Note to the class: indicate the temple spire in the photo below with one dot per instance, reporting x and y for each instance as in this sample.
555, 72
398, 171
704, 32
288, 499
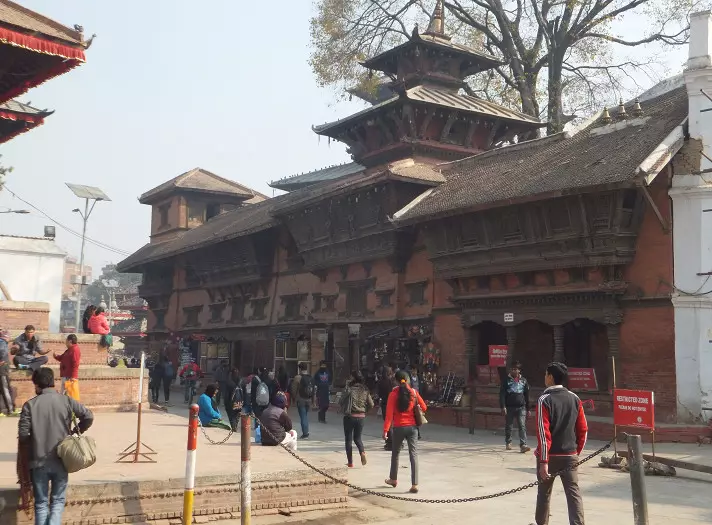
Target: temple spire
437, 21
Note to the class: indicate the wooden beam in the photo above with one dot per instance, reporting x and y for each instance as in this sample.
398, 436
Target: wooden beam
659, 215
676, 463
429, 114
493, 134
448, 125
470, 133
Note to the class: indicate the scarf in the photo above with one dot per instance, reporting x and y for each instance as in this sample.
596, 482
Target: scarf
23, 476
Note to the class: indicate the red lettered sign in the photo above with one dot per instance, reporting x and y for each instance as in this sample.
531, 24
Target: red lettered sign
634, 408
498, 355
582, 379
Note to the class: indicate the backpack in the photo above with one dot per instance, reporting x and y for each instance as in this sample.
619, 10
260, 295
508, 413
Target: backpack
237, 400
262, 395
306, 387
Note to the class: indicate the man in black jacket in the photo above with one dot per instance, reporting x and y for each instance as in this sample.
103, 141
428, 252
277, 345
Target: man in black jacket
514, 402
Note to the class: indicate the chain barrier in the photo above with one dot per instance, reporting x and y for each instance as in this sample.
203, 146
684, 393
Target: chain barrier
205, 434
386, 495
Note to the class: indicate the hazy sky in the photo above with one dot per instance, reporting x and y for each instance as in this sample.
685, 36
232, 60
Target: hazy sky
170, 85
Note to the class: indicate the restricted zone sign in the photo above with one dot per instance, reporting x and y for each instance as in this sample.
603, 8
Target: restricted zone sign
634, 408
582, 379
498, 355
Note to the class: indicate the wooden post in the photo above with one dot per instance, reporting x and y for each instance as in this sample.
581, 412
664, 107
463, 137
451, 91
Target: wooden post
245, 474
613, 396
637, 480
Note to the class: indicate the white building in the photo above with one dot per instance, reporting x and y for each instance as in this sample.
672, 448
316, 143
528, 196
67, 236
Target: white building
691, 193
32, 269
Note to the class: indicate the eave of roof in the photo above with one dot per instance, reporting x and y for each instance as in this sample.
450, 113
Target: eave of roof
18, 16
202, 178
305, 179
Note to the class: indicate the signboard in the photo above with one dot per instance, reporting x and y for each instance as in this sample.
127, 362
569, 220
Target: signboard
509, 318
285, 334
634, 408
582, 379
223, 350
498, 355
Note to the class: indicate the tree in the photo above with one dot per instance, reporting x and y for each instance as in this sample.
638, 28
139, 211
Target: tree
557, 53
4, 170
97, 290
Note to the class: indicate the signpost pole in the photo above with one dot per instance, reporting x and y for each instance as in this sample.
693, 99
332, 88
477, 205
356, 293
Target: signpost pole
613, 395
637, 480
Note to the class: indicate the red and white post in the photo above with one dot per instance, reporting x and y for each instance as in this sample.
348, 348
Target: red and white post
190, 466
245, 474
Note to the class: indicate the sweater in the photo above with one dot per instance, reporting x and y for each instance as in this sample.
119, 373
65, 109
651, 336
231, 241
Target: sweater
561, 424
361, 401
402, 419
206, 412
276, 423
69, 362
98, 324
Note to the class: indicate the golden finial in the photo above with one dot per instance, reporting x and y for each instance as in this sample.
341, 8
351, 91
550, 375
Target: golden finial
622, 115
637, 110
605, 117
437, 22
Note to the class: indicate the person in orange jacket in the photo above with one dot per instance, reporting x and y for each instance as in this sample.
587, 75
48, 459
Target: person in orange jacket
190, 374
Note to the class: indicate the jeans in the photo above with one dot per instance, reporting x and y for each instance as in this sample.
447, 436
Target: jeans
389, 439
571, 489
410, 435
353, 428
520, 416
49, 502
6, 393
303, 409
31, 362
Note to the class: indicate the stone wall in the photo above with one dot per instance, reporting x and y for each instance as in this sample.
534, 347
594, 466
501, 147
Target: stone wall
15, 315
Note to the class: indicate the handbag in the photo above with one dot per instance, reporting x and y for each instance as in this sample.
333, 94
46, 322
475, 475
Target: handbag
420, 419
346, 401
77, 452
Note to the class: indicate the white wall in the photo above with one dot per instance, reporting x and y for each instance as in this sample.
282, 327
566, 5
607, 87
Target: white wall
692, 240
34, 277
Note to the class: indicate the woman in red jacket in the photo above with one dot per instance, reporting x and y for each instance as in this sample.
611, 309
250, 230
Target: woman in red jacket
400, 414
100, 326
69, 367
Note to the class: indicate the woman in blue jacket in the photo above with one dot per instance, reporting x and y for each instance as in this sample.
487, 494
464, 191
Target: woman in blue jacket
209, 417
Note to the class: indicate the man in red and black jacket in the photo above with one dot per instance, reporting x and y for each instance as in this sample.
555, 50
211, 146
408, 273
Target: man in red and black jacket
561, 436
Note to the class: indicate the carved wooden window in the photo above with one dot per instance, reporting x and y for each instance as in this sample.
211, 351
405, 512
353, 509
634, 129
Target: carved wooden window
317, 302
356, 301
163, 216
559, 217
601, 213
258, 307
292, 306
216, 312
511, 228
384, 298
192, 315
160, 315
329, 303
196, 214
416, 293
237, 311
630, 197
470, 231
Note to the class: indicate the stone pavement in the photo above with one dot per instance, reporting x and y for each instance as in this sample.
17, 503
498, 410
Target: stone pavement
452, 464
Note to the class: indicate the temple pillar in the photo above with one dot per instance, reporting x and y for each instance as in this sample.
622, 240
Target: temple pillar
559, 343
613, 328
472, 343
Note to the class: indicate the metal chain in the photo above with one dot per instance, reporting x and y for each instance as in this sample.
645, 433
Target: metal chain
436, 501
202, 428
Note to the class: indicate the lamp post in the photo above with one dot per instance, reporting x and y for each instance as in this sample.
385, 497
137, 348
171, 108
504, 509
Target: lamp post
88, 193
23, 212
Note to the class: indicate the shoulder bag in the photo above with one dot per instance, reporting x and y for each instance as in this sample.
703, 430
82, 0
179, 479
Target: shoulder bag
77, 452
420, 419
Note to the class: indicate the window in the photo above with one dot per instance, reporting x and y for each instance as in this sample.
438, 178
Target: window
356, 301
237, 315
602, 212
511, 229
384, 298
317, 302
416, 293
216, 312
258, 307
163, 216
469, 227
293, 306
628, 207
559, 217
288, 353
196, 214
330, 301
192, 315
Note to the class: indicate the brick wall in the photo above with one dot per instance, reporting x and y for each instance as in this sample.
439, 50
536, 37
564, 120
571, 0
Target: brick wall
449, 336
91, 355
15, 315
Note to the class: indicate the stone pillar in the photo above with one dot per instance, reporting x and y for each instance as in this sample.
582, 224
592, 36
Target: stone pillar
559, 343
472, 342
511, 343
613, 327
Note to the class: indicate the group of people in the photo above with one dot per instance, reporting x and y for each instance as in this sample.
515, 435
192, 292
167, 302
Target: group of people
94, 322
25, 352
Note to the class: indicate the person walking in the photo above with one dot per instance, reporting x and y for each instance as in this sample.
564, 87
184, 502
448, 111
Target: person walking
69, 367
283, 383
514, 402
44, 422
561, 437
190, 374
234, 398
208, 416
322, 380
28, 351
415, 384
302, 390
400, 415
386, 383
355, 404
8, 399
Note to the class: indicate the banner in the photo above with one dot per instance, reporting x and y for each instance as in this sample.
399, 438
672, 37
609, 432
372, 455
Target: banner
582, 379
634, 408
498, 355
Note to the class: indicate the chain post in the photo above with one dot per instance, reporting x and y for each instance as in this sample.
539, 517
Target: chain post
637, 480
190, 465
245, 474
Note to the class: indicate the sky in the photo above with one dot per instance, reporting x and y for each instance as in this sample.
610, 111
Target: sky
169, 86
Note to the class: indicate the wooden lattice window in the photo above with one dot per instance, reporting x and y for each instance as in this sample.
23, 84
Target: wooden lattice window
384, 298
630, 197
292, 306
416, 293
470, 232
258, 307
237, 313
330, 303
601, 213
216, 312
192, 315
559, 217
511, 228
163, 216
356, 301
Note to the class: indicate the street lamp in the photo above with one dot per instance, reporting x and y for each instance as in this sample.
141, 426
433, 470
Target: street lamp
15, 211
88, 193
